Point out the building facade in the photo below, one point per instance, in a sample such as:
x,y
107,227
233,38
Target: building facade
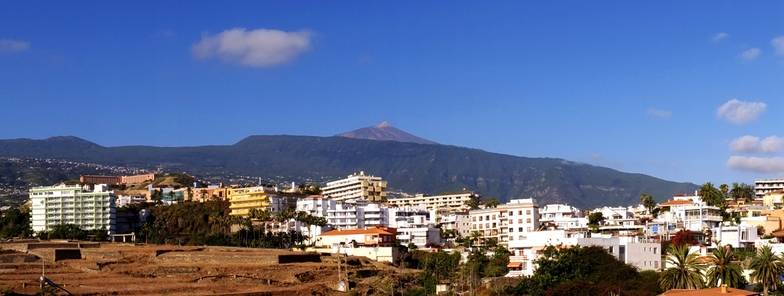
x,y
450,202
356,186
508,222
763,186
63,204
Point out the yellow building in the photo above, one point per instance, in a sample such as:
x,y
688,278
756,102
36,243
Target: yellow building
x,y
773,198
244,199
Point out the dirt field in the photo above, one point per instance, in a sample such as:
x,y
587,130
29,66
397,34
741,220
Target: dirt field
x,y
126,269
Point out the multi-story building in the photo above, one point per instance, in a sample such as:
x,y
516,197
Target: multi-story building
x,y
356,186
560,216
508,222
449,202
244,199
63,204
357,215
459,223
767,185
684,214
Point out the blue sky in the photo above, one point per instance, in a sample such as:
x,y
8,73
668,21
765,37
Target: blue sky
x,y
680,91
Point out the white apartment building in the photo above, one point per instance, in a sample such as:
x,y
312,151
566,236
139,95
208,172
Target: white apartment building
x,y
508,222
409,216
763,186
63,204
684,214
737,236
357,216
640,253
420,236
562,217
125,200
450,202
458,222
356,186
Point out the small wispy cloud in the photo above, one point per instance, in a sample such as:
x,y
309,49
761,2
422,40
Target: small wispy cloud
x,y
756,164
255,48
771,144
13,46
751,54
720,36
659,113
778,45
739,112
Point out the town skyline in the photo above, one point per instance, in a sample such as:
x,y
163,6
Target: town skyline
x,y
679,91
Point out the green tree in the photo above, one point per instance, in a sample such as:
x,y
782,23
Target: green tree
x,y
648,202
595,218
492,203
498,262
472,204
766,268
710,195
15,223
742,192
684,271
722,271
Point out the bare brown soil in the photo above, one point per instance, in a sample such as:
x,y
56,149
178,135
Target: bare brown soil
x,y
124,269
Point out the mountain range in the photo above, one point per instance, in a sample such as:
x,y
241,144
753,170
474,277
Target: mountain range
x,y
420,167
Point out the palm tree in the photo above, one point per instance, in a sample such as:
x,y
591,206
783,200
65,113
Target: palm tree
x,y
711,195
722,270
492,203
767,267
743,191
685,271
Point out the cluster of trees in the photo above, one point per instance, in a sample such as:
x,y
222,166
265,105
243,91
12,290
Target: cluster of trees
x,y
583,271
440,266
209,223
15,223
718,197
74,232
686,269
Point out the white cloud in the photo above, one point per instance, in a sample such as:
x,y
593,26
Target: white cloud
x,y
751,54
745,144
659,113
778,44
255,48
771,144
720,36
756,164
13,46
740,112
597,156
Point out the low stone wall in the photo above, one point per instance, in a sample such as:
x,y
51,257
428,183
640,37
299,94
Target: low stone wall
x,y
298,258
52,246
17,258
65,254
212,258
101,255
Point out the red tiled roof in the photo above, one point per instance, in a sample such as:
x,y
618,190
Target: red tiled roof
x,y
356,231
677,203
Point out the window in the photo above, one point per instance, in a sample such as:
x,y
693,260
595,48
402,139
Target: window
x,y
520,213
611,250
520,221
511,213
528,220
510,229
520,229
511,238
655,249
656,264
528,212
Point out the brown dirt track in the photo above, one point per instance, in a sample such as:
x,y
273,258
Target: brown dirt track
x,y
126,269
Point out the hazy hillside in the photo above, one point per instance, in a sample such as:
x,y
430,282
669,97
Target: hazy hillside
x,y
410,167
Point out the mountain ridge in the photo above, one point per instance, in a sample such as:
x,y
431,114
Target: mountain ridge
x,y
409,167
